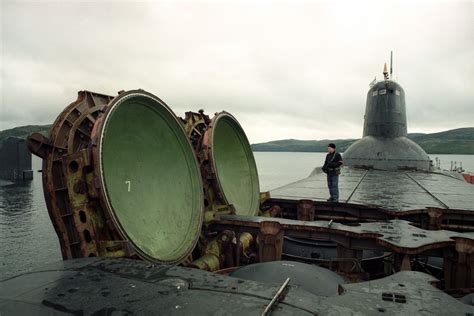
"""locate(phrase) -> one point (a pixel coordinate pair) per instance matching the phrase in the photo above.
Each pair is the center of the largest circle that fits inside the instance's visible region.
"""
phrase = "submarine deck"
(396, 191)
(105, 286)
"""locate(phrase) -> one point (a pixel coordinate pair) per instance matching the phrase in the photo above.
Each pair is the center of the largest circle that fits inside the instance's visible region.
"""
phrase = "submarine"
(385, 170)
(384, 144)
(157, 214)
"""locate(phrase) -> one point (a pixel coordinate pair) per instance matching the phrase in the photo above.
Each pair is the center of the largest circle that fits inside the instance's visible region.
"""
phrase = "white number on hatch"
(128, 182)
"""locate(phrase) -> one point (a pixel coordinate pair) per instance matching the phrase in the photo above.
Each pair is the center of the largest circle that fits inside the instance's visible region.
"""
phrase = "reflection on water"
(16, 199)
(15, 207)
(27, 236)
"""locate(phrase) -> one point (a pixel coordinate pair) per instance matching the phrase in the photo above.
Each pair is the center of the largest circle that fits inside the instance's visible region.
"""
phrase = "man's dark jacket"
(331, 164)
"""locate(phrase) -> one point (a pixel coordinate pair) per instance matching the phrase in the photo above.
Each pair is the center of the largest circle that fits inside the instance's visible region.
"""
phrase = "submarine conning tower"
(384, 145)
(385, 113)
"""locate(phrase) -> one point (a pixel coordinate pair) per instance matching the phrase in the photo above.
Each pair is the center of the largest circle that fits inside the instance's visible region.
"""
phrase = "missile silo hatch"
(234, 164)
(143, 150)
(121, 178)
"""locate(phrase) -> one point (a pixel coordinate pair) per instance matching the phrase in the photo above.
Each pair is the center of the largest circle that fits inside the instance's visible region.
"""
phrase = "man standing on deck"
(332, 167)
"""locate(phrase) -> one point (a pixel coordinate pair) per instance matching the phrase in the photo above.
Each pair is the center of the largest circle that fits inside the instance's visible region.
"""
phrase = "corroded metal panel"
(395, 235)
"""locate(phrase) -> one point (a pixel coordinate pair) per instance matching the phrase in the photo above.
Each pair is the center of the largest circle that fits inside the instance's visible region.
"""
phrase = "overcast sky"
(290, 69)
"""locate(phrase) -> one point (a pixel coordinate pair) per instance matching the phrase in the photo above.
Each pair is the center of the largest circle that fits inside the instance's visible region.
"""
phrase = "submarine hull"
(399, 153)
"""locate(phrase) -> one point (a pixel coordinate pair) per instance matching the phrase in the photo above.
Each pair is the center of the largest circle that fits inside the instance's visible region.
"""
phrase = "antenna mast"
(391, 63)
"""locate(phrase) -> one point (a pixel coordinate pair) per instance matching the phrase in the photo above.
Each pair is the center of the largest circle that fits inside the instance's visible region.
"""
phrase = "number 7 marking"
(128, 182)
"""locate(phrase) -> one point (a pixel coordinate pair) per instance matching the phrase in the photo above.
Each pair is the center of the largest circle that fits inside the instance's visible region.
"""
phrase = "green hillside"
(302, 145)
(24, 131)
(456, 141)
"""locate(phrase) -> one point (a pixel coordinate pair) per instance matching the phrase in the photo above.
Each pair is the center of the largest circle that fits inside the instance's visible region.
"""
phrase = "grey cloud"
(284, 69)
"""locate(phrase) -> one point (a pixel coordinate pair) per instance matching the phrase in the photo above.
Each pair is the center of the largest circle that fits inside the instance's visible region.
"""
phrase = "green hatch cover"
(235, 165)
(151, 177)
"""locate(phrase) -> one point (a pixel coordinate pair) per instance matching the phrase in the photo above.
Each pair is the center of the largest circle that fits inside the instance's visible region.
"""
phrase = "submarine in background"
(385, 174)
(384, 144)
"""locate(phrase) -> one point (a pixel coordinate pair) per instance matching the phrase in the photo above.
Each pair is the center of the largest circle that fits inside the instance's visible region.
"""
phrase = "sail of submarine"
(384, 145)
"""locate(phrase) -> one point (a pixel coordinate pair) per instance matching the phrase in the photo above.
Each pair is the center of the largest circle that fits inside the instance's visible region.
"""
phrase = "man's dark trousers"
(333, 185)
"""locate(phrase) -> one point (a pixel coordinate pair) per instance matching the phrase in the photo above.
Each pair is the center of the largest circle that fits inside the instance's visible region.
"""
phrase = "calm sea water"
(27, 237)
(276, 169)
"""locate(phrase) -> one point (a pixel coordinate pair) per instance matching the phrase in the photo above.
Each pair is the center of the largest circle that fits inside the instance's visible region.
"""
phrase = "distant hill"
(455, 141)
(302, 145)
(24, 131)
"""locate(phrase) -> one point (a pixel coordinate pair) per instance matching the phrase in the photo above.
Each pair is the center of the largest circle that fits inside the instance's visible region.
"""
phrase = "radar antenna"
(391, 63)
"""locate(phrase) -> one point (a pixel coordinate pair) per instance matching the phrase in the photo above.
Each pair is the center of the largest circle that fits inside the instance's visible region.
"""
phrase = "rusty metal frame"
(395, 236)
(428, 218)
(67, 193)
(199, 128)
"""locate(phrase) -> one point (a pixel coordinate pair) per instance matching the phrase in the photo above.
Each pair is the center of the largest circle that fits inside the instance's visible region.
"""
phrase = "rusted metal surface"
(428, 218)
(270, 241)
(195, 125)
(395, 236)
(273, 211)
(39, 144)
(305, 210)
(216, 253)
(69, 188)
(352, 259)
(459, 265)
(468, 177)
